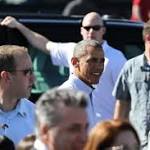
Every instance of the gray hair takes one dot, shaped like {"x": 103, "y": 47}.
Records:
{"x": 81, "y": 47}
{"x": 50, "y": 104}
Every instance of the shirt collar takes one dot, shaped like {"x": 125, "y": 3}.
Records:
{"x": 20, "y": 108}
{"x": 105, "y": 46}
{"x": 79, "y": 83}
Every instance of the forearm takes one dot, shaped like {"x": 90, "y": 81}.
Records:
{"x": 35, "y": 39}
{"x": 122, "y": 109}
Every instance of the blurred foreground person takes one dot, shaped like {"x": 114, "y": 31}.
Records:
{"x": 6, "y": 143}
{"x": 27, "y": 143}
{"x": 61, "y": 121}
{"x": 113, "y": 135}
{"x": 16, "y": 80}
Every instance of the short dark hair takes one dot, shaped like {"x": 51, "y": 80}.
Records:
{"x": 81, "y": 47}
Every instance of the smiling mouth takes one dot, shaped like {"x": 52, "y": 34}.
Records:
{"x": 96, "y": 73}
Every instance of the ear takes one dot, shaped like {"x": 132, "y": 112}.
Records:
{"x": 147, "y": 37}
{"x": 104, "y": 30}
{"x": 75, "y": 62}
{"x": 81, "y": 31}
{"x": 43, "y": 131}
{"x": 5, "y": 75}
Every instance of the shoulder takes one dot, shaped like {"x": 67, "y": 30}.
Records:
{"x": 135, "y": 60}
{"x": 113, "y": 53}
{"x": 27, "y": 105}
{"x": 133, "y": 63}
{"x": 56, "y": 45}
{"x": 66, "y": 85}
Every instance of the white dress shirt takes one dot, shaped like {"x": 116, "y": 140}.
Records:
{"x": 18, "y": 123}
{"x": 76, "y": 84}
{"x": 61, "y": 54}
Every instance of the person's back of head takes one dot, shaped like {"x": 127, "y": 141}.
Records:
{"x": 113, "y": 134}
{"x": 6, "y": 143}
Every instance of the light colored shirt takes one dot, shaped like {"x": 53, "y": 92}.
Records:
{"x": 61, "y": 54}
{"x": 39, "y": 145}
{"x": 74, "y": 83}
{"x": 133, "y": 85}
{"x": 18, "y": 123}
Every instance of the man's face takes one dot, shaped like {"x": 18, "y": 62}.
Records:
{"x": 92, "y": 28}
{"x": 71, "y": 132}
{"x": 90, "y": 67}
{"x": 23, "y": 77}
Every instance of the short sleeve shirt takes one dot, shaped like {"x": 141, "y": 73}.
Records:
{"x": 19, "y": 122}
{"x": 133, "y": 85}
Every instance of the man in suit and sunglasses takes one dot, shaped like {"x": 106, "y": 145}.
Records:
{"x": 61, "y": 53}
{"x": 16, "y": 80}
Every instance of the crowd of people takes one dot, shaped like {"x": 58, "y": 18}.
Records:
{"x": 95, "y": 109}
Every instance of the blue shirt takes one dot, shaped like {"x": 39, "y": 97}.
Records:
{"x": 18, "y": 123}
{"x": 75, "y": 83}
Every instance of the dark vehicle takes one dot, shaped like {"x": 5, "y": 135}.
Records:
{"x": 121, "y": 34}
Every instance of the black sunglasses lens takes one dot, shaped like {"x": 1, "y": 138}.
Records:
{"x": 96, "y": 28}
{"x": 87, "y": 28}
{"x": 28, "y": 71}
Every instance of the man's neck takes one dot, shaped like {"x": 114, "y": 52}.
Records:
{"x": 7, "y": 103}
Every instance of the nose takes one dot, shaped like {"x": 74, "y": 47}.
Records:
{"x": 32, "y": 78}
{"x": 91, "y": 30}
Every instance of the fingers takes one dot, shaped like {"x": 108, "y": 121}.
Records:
{"x": 8, "y": 21}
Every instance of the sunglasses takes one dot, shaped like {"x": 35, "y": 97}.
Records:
{"x": 95, "y": 28}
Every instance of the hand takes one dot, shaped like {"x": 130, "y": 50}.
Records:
{"x": 10, "y": 22}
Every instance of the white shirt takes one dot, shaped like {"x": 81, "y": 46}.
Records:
{"x": 18, "y": 123}
{"x": 61, "y": 54}
{"x": 39, "y": 145}
{"x": 103, "y": 92}
{"x": 76, "y": 84}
